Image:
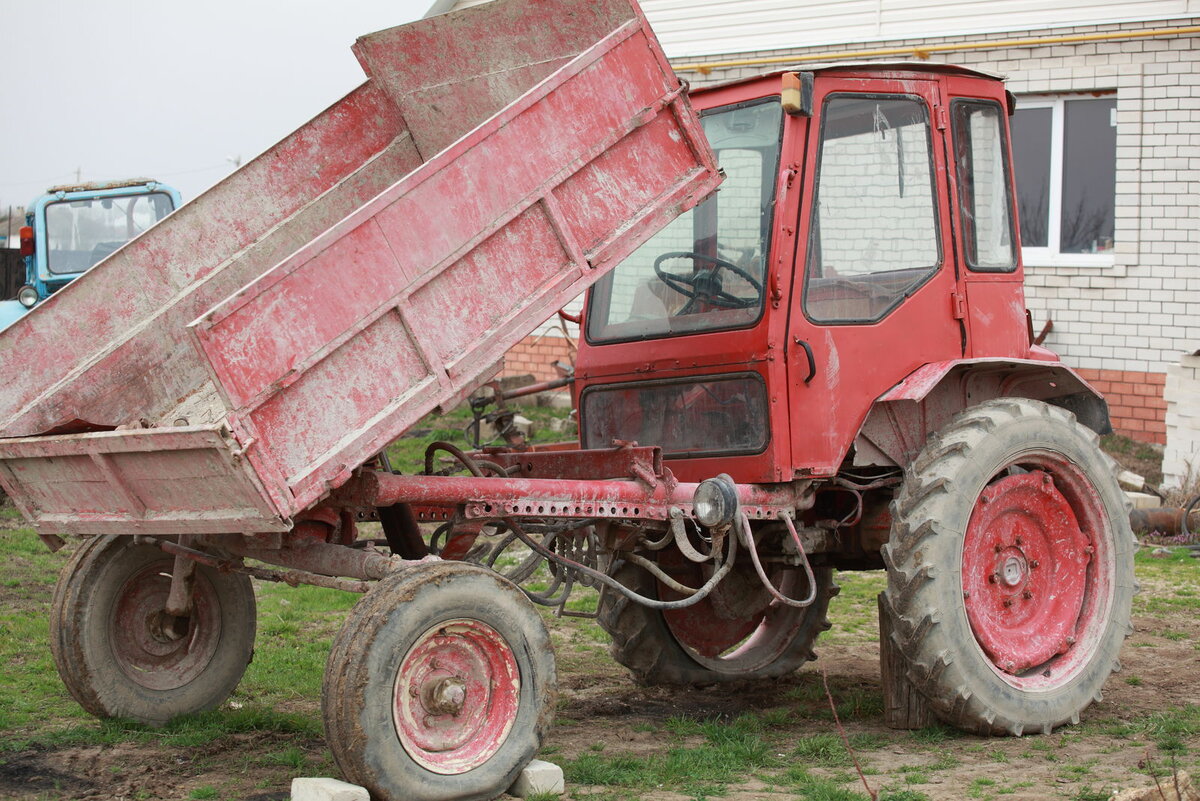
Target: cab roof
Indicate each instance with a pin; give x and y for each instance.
(935, 67)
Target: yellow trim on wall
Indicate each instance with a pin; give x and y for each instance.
(924, 51)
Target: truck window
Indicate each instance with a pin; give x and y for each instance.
(705, 271)
(874, 232)
(80, 233)
(983, 194)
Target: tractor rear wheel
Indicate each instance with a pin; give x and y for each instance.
(1010, 569)
(733, 634)
(118, 652)
(440, 685)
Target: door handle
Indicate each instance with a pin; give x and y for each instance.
(812, 363)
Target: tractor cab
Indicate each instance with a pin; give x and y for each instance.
(865, 230)
(71, 228)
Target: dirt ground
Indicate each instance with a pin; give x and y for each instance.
(601, 709)
(609, 708)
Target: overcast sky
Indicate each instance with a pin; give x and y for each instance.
(170, 89)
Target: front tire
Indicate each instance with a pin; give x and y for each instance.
(113, 651)
(440, 685)
(1010, 569)
(742, 637)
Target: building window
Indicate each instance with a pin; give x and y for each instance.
(1065, 161)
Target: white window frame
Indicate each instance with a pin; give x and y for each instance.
(1051, 256)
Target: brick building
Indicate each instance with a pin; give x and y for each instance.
(1106, 140)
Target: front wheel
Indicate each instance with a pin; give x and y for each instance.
(1010, 569)
(440, 685)
(118, 652)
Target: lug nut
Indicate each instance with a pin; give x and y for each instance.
(1019, 541)
(1027, 595)
(999, 548)
(1008, 602)
(1034, 564)
(993, 578)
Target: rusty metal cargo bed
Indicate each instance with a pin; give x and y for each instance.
(228, 368)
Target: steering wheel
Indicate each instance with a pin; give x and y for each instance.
(706, 285)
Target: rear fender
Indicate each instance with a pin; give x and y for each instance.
(902, 418)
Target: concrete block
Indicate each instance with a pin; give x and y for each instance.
(538, 777)
(318, 789)
(1144, 500)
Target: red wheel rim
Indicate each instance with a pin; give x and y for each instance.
(153, 649)
(456, 696)
(735, 629)
(1031, 581)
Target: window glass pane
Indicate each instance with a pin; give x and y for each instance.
(704, 271)
(1089, 176)
(80, 233)
(983, 187)
(874, 226)
(687, 417)
(1031, 131)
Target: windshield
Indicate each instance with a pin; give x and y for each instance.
(704, 271)
(80, 233)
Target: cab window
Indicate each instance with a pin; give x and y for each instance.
(874, 232)
(706, 270)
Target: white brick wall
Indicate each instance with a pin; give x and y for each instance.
(1141, 313)
(1181, 458)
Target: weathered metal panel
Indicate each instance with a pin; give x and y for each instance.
(449, 74)
(119, 332)
(337, 287)
(183, 480)
(442, 273)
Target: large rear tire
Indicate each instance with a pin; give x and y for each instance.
(711, 641)
(118, 654)
(440, 685)
(1010, 569)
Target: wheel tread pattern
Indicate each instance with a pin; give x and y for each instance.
(917, 512)
(642, 642)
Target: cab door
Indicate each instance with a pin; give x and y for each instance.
(985, 219)
(875, 293)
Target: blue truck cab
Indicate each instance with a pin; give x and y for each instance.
(70, 228)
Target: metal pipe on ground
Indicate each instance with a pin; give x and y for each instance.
(1166, 520)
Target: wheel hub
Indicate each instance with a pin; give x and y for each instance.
(1013, 572)
(1025, 561)
(154, 649)
(444, 696)
(456, 696)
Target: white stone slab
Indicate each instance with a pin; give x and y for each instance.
(319, 789)
(539, 777)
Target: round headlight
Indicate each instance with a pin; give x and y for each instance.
(715, 502)
(28, 296)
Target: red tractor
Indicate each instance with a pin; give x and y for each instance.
(845, 318)
(825, 365)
